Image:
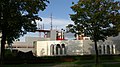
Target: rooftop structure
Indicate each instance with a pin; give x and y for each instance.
(110, 0)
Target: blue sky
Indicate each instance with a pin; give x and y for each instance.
(60, 10)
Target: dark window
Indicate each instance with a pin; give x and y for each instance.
(57, 47)
(63, 49)
(108, 49)
(100, 49)
(52, 49)
(103, 49)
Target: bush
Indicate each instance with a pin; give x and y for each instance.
(9, 54)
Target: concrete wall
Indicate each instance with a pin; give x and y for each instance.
(23, 46)
(53, 35)
(88, 47)
(31, 39)
(28, 43)
(43, 48)
(72, 47)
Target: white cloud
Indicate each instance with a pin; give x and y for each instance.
(57, 23)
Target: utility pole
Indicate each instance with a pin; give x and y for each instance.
(51, 22)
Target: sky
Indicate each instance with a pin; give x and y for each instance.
(60, 10)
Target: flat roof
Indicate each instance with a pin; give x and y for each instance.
(43, 30)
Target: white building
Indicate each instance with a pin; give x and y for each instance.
(55, 45)
(74, 47)
(58, 48)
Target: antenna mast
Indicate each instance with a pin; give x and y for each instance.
(51, 21)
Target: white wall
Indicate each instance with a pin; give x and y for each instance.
(28, 43)
(73, 47)
(78, 47)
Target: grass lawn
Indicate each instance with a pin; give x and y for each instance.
(79, 61)
(68, 64)
(30, 65)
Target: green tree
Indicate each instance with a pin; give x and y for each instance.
(18, 17)
(97, 19)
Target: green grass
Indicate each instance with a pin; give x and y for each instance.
(69, 64)
(29, 65)
(112, 65)
(73, 61)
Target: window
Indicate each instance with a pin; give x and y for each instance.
(52, 49)
(58, 49)
(104, 49)
(108, 49)
(100, 49)
(63, 49)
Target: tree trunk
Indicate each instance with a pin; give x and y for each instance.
(96, 56)
(3, 40)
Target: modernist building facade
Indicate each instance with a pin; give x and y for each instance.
(58, 46)
(74, 47)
